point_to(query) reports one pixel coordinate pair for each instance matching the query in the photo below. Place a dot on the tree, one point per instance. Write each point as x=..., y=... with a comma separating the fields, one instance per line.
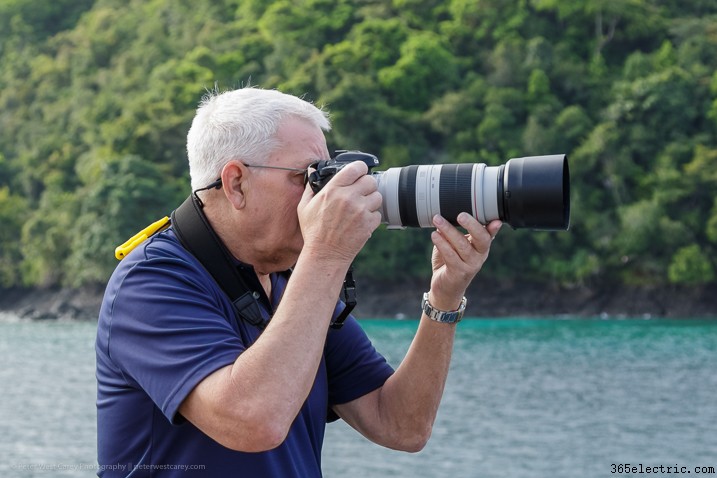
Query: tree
x=425, y=70
x=13, y=209
x=130, y=194
x=691, y=266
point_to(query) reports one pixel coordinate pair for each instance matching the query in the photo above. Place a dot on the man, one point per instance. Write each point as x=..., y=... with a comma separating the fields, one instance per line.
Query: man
x=185, y=384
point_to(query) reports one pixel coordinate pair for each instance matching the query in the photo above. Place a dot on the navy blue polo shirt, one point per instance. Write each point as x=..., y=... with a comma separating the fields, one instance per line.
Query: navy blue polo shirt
x=165, y=325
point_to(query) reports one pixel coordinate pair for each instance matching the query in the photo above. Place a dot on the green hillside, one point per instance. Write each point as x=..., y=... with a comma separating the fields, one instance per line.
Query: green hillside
x=96, y=98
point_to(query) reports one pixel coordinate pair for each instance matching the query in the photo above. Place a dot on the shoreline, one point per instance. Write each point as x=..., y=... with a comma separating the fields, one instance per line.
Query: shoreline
x=532, y=300
x=402, y=301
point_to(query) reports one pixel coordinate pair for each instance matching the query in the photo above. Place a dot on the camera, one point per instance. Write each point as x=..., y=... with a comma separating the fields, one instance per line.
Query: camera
x=531, y=192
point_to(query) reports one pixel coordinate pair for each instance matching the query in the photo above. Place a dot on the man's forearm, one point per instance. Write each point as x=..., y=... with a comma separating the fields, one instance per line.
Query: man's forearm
x=410, y=398
x=281, y=366
x=250, y=405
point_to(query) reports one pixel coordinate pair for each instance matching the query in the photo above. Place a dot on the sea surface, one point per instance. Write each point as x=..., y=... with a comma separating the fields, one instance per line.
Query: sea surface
x=525, y=398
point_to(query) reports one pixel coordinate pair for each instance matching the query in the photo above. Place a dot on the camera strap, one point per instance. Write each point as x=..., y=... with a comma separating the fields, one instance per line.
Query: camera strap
x=197, y=236
x=348, y=295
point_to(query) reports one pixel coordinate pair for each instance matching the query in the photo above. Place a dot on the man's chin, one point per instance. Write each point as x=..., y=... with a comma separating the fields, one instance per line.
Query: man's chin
x=290, y=259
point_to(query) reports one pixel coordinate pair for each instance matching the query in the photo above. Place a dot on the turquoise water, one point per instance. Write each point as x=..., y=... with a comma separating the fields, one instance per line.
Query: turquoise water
x=525, y=398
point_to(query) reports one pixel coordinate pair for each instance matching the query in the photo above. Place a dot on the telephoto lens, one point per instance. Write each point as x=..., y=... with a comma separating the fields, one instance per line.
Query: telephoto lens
x=531, y=192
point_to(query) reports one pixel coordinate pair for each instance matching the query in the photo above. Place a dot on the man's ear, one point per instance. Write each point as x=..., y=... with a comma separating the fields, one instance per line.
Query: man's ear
x=234, y=182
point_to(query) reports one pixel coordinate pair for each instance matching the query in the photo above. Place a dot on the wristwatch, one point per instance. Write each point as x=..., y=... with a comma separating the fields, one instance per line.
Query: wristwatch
x=446, y=317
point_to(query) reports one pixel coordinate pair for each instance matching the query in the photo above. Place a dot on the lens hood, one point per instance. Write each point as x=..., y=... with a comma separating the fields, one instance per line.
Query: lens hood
x=536, y=192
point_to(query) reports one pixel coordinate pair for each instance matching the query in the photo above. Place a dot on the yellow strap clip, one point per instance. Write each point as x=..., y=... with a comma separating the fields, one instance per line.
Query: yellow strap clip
x=140, y=237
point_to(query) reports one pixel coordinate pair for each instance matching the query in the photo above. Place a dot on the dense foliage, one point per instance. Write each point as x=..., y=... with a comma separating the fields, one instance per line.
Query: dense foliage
x=96, y=97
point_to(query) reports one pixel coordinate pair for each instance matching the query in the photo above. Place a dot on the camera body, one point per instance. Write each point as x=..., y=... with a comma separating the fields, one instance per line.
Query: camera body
x=325, y=169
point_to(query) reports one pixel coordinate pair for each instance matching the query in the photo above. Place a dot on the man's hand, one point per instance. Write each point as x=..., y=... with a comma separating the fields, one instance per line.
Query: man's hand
x=457, y=258
x=342, y=216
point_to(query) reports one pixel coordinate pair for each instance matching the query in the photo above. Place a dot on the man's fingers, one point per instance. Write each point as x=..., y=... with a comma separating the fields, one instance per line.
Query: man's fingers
x=493, y=228
x=480, y=236
x=350, y=174
x=470, y=248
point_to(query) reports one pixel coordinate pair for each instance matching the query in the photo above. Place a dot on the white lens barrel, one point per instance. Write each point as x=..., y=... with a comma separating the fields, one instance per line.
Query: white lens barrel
x=485, y=192
x=388, y=187
x=413, y=195
x=428, y=200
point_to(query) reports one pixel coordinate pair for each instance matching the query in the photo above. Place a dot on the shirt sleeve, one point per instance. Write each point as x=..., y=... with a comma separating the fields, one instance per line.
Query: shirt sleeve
x=354, y=367
x=170, y=329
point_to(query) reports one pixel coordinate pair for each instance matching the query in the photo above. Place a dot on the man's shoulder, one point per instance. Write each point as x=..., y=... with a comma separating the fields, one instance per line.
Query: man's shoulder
x=161, y=250
x=163, y=244
x=161, y=259
x=159, y=280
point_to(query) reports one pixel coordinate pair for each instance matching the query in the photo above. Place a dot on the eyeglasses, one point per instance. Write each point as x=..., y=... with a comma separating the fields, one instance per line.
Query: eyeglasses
x=299, y=175
x=276, y=167
x=218, y=182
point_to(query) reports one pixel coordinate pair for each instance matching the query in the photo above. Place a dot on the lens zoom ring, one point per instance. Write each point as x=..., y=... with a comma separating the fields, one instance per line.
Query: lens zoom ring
x=455, y=191
x=407, y=196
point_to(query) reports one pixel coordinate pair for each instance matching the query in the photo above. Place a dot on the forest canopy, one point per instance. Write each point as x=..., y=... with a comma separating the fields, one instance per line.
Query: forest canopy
x=96, y=98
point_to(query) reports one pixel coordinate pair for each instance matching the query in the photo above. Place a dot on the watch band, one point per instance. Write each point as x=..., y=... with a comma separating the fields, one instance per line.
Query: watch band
x=443, y=316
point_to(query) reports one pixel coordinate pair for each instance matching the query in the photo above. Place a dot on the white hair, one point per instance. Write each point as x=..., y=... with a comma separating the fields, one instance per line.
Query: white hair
x=241, y=124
